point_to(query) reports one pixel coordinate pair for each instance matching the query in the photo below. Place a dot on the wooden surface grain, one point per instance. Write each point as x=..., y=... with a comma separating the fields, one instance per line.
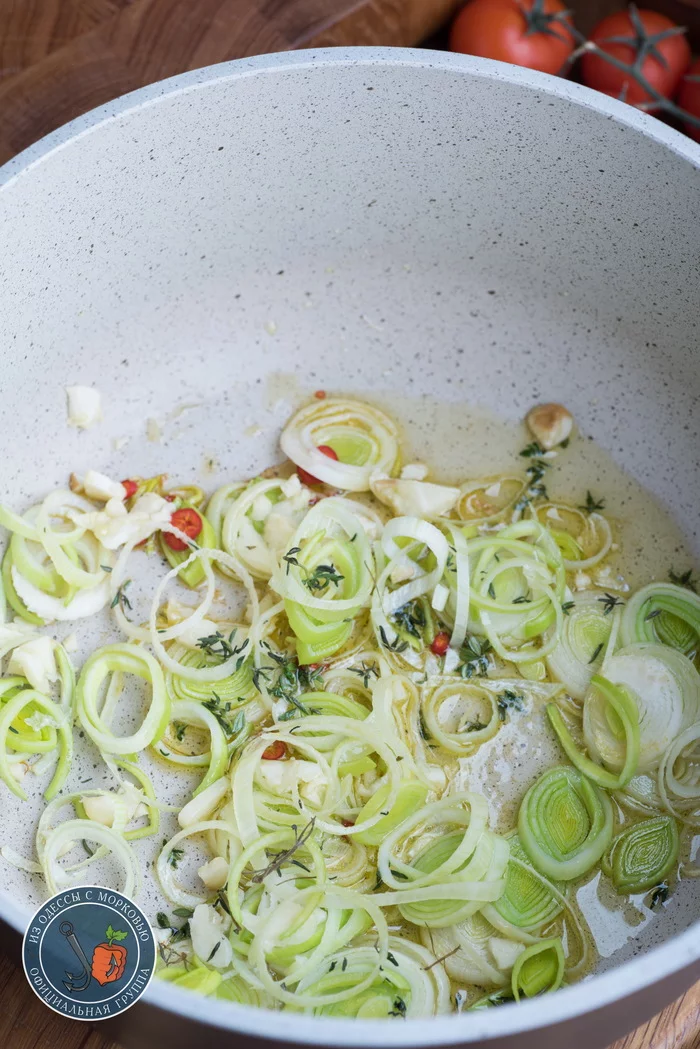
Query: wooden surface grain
x=59, y=58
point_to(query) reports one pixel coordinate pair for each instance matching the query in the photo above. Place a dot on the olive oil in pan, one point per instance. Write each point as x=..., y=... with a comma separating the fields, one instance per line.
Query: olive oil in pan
x=460, y=442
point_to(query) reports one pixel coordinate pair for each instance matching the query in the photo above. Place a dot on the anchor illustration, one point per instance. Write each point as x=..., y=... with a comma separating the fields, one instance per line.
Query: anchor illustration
x=76, y=981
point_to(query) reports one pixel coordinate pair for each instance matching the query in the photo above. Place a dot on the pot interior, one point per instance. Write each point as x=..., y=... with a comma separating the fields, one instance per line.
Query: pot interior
x=453, y=239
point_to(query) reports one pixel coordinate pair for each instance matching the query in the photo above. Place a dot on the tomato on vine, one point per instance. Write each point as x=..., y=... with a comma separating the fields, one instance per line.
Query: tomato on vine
x=531, y=33
x=653, y=48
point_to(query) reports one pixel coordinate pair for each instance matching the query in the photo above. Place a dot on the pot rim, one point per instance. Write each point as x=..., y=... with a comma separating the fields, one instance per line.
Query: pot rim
x=594, y=993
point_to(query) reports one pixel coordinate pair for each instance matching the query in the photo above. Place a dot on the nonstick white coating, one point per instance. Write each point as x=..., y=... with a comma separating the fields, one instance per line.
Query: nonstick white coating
x=369, y=221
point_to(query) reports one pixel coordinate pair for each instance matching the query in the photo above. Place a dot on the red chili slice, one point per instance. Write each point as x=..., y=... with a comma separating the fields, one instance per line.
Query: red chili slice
x=275, y=751
x=305, y=477
x=441, y=642
x=131, y=488
x=189, y=522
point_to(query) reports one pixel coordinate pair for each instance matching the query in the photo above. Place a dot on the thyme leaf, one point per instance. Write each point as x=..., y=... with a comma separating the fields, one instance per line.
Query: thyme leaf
x=684, y=579
x=609, y=602
x=509, y=701
x=592, y=505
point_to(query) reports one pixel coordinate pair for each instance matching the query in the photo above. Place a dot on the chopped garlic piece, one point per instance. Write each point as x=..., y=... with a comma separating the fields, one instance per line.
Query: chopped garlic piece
x=451, y=660
x=114, y=526
x=104, y=808
x=582, y=581
x=440, y=595
x=414, y=498
x=194, y=633
x=261, y=508
x=35, y=660
x=414, y=472
x=208, y=935
x=97, y=485
x=285, y=775
x=215, y=873
x=608, y=580
x=550, y=424
x=291, y=487
x=402, y=573
x=84, y=406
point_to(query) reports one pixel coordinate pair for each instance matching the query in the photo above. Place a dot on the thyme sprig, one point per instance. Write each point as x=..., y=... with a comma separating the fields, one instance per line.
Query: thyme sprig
x=592, y=505
x=609, y=603
x=280, y=858
x=474, y=653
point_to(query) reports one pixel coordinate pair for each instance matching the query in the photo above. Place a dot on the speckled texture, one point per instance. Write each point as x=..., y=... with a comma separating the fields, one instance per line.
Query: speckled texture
x=363, y=220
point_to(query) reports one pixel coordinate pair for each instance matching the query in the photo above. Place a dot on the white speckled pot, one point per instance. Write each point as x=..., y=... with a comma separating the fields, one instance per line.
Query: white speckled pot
x=361, y=220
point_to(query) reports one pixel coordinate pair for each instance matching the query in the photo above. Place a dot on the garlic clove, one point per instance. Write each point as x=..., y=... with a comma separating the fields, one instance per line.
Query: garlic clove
x=550, y=424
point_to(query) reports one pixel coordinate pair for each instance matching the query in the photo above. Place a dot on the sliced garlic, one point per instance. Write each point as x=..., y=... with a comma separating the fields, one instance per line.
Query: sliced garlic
x=440, y=596
x=208, y=935
x=96, y=485
x=414, y=498
x=414, y=472
x=84, y=406
x=214, y=874
x=35, y=660
x=550, y=424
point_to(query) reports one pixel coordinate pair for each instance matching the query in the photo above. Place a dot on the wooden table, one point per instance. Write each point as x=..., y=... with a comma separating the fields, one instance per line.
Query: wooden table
x=59, y=58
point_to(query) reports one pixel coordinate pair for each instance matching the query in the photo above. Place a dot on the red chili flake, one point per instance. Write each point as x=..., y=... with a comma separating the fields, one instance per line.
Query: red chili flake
x=441, y=642
x=305, y=477
x=169, y=498
x=186, y=520
x=348, y=823
x=320, y=395
x=276, y=751
x=131, y=488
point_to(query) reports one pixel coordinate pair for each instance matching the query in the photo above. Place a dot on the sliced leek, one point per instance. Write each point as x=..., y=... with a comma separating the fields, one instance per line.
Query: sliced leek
x=363, y=438
x=642, y=855
x=565, y=824
x=665, y=613
x=302, y=697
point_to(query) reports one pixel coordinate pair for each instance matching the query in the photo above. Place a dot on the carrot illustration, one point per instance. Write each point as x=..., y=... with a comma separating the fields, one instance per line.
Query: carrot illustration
x=109, y=958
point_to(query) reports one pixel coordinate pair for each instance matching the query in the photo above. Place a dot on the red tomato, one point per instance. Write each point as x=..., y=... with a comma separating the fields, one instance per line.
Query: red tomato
x=689, y=98
x=441, y=642
x=657, y=40
x=275, y=751
x=189, y=522
x=530, y=33
x=131, y=488
x=305, y=477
